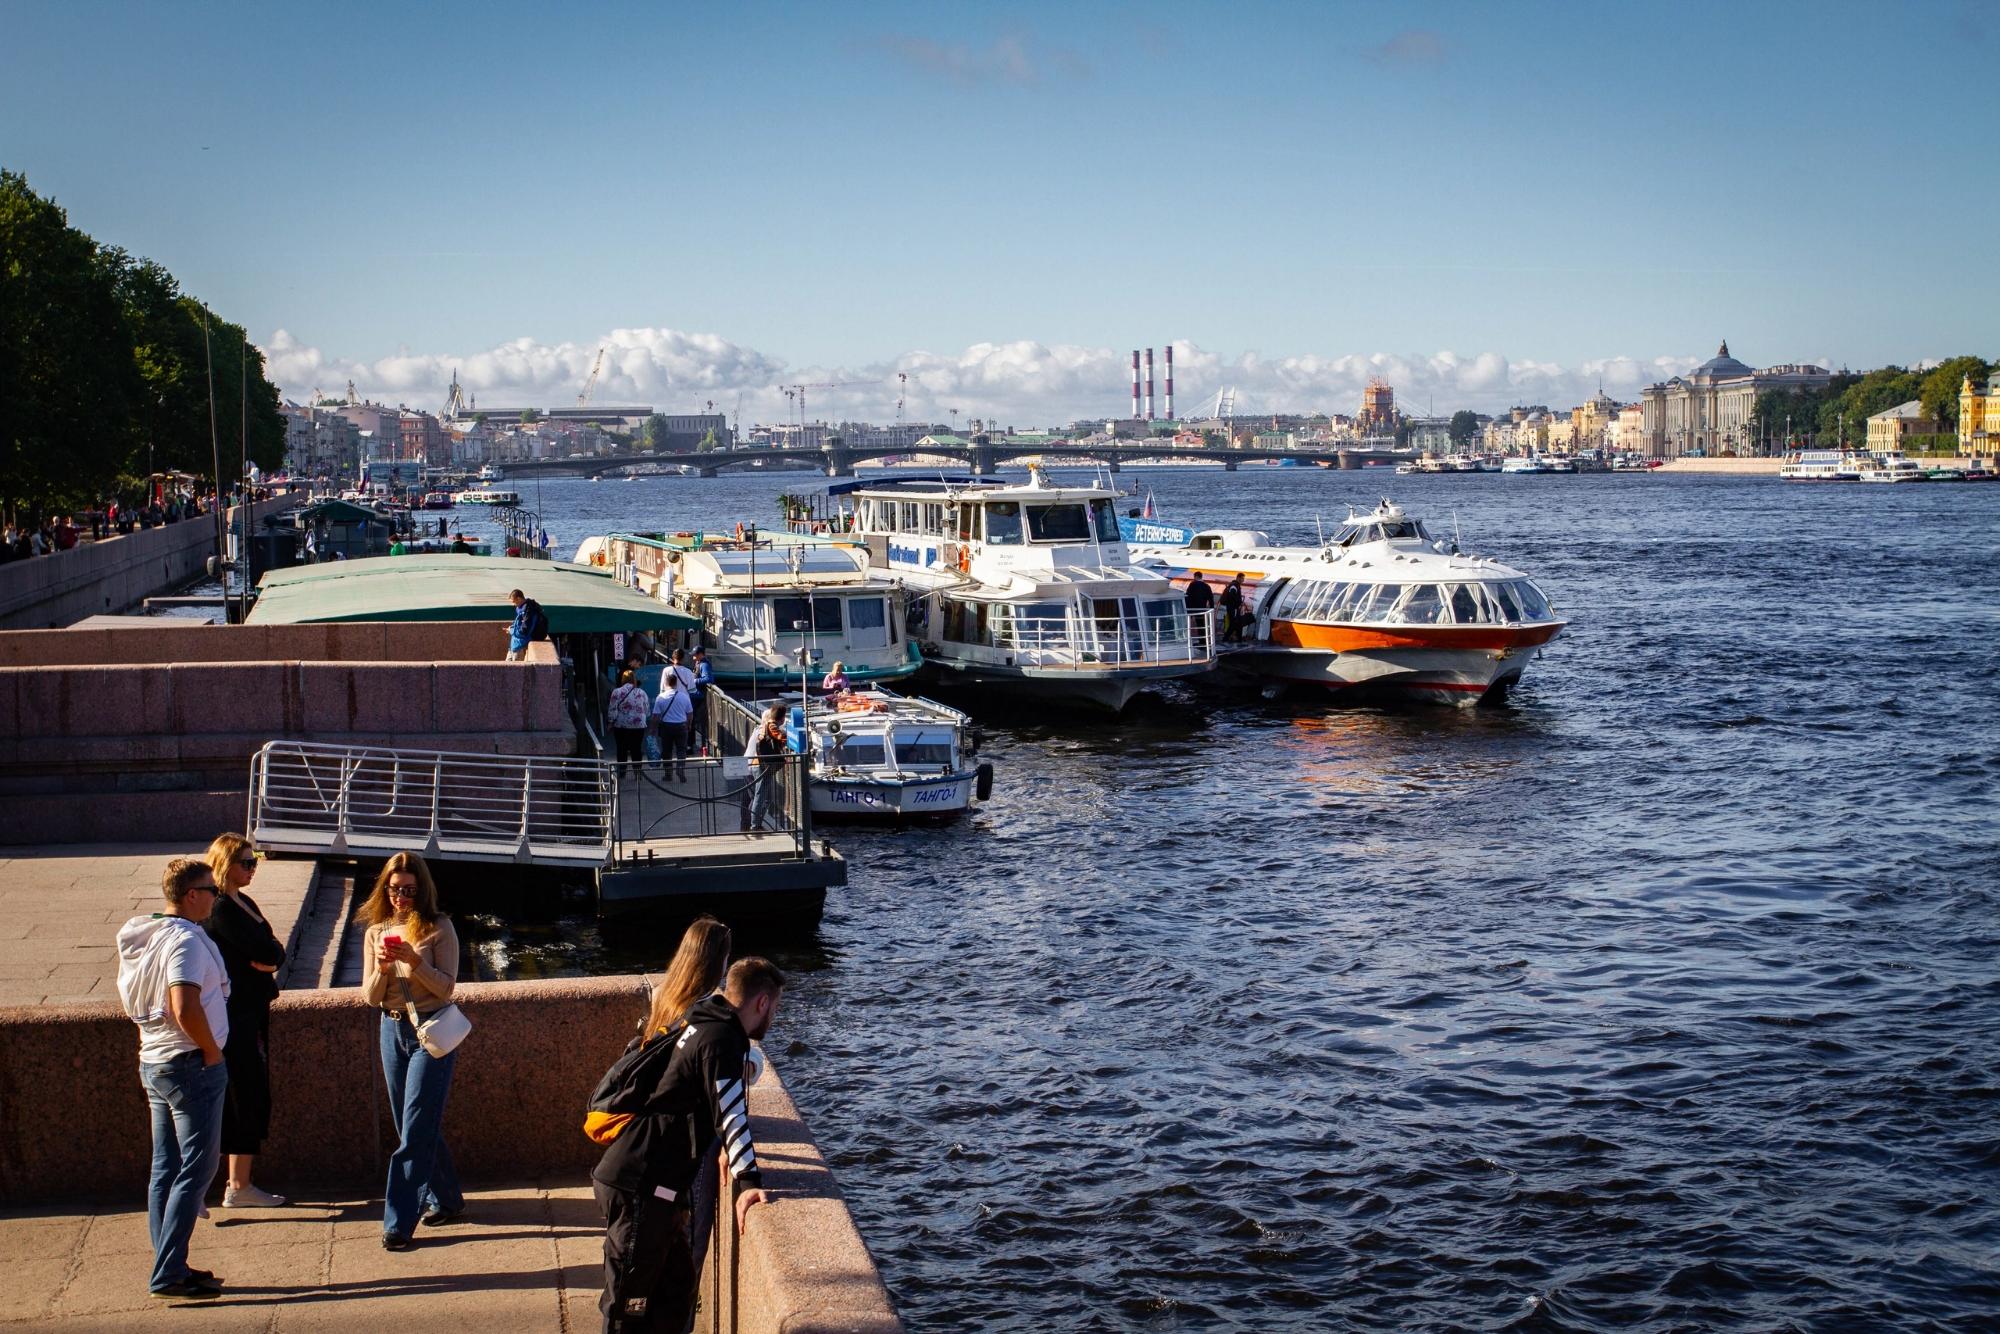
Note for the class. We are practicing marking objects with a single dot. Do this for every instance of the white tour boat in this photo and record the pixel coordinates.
(1023, 587)
(1890, 465)
(1382, 606)
(1524, 463)
(484, 495)
(878, 755)
(1821, 465)
(765, 598)
(489, 473)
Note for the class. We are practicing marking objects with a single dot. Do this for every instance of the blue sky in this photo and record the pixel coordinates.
(1002, 201)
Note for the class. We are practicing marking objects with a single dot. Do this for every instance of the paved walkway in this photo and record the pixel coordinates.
(64, 905)
(526, 1257)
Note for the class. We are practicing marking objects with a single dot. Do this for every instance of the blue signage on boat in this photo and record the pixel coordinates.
(926, 556)
(1152, 530)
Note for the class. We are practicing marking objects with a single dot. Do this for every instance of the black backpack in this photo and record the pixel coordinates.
(622, 1092)
(538, 620)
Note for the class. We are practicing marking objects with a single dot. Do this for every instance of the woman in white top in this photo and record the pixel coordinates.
(628, 709)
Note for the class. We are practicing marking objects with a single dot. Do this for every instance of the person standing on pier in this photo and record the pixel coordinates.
(767, 749)
(172, 983)
(530, 623)
(673, 710)
(251, 955)
(642, 1183)
(629, 708)
(704, 677)
(409, 969)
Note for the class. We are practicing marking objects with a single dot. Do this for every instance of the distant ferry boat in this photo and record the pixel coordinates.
(489, 473)
(480, 495)
(1821, 465)
(1891, 466)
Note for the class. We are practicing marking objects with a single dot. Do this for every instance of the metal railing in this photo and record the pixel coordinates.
(706, 796)
(1110, 640)
(370, 800)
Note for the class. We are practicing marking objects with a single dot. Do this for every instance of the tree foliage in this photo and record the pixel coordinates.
(1941, 384)
(102, 356)
(1464, 425)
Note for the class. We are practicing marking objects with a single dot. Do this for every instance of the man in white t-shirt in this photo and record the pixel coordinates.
(172, 983)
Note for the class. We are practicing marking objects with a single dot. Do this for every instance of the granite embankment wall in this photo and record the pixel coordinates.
(73, 1124)
(117, 735)
(113, 575)
(1741, 466)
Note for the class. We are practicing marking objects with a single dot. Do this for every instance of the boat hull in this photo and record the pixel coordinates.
(1111, 690)
(943, 797)
(1456, 678)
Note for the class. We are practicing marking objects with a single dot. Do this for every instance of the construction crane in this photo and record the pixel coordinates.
(352, 397)
(902, 390)
(590, 385)
(833, 384)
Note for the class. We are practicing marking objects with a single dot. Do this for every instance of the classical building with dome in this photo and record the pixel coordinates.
(1711, 410)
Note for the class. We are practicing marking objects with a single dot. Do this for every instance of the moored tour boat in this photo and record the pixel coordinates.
(1382, 607)
(878, 755)
(482, 495)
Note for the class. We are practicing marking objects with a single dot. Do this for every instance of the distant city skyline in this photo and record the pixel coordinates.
(1298, 196)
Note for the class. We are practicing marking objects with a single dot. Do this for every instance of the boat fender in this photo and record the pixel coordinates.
(597, 559)
(739, 532)
(982, 782)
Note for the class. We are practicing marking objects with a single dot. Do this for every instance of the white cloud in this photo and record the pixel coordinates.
(1019, 383)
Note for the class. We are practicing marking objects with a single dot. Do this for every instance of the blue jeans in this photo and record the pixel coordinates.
(421, 1176)
(186, 1100)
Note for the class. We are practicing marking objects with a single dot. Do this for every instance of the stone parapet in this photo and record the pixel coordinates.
(110, 576)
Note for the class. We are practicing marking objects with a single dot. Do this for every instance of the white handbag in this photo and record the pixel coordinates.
(443, 1031)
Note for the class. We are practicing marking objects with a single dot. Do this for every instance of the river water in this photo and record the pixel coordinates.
(1664, 997)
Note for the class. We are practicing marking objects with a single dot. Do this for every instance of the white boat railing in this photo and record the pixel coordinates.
(373, 801)
(1185, 637)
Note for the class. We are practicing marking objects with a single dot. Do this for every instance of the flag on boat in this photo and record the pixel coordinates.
(1151, 511)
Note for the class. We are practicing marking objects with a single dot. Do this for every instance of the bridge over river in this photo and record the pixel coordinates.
(983, 457)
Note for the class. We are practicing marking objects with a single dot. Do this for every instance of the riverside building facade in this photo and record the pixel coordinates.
(1712, 409)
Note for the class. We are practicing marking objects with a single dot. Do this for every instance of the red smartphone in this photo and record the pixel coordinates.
(392, 941)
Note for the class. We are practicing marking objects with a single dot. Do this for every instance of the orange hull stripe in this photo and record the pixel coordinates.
(1347, 638)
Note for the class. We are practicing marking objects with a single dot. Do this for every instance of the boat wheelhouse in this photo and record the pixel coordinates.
(879, 755)
(766, 600)
(1024, 587)
(1382, 606)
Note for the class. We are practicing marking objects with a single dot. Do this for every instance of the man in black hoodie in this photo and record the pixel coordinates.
(643, 1181)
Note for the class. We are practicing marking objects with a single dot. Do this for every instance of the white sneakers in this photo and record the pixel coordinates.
(250, 1197)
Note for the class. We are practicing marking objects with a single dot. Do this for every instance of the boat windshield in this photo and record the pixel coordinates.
(1059, 523)
(1481, 602)
(1003, 523)
(1384, 530)
(1106, 517)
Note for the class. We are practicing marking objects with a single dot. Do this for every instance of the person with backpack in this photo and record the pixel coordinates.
(682, 1097)
(530, 624)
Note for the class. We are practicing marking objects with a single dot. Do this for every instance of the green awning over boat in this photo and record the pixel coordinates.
(579, 599)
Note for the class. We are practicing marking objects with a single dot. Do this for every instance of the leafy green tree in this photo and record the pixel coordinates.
(1939, 390)
(67, 388)
(1464, 425)
(708, 441)
(529, 416)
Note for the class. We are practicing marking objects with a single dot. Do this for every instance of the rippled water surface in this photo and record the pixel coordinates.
(1665, 997)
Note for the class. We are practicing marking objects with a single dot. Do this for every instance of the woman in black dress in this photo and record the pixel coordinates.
(251, 953)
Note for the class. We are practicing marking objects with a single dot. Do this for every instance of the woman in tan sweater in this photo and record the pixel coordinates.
(410, 963)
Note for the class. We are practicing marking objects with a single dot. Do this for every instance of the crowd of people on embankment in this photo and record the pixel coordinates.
(198, 978)
(50, 535)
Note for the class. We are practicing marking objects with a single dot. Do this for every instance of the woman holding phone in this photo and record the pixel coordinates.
(252, 955)
(409, 968)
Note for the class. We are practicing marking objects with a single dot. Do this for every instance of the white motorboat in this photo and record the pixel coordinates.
(1382, 607)
(1890, 465)
(483, 495)
(765, 599)
(1524, 463)
(878, 755)
(1022, 587)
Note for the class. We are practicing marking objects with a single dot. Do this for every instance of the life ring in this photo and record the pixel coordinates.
(964, 561)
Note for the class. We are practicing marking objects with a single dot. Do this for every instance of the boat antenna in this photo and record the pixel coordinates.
(1319, 522)
(1455, 544)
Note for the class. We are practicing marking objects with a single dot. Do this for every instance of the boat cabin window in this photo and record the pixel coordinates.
(1419, 604)
(859, 752)
(923, 748)
(1370, 530)
(1166, 619)
(1057, 523)
(867, 613)
(1467, 608)
(1534, 606)
(1106, 516)
(1003, 523)
(933, 518)
(820, 615)
(968, 522)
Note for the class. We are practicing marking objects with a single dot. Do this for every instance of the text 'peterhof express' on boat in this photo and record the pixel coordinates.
(764, 601)
(1025, 588)
(1381, 607)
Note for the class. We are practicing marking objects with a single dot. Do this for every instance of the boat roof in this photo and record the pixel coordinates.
(578, 599)
(1036, 486)
(744, 569)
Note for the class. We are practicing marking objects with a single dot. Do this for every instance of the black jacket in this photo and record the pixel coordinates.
(698, 1099)
(242, 940)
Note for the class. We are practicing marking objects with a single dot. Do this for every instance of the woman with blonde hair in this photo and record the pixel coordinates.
(251, 955)
(835, 681)
(409, 968)
(695, 972)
